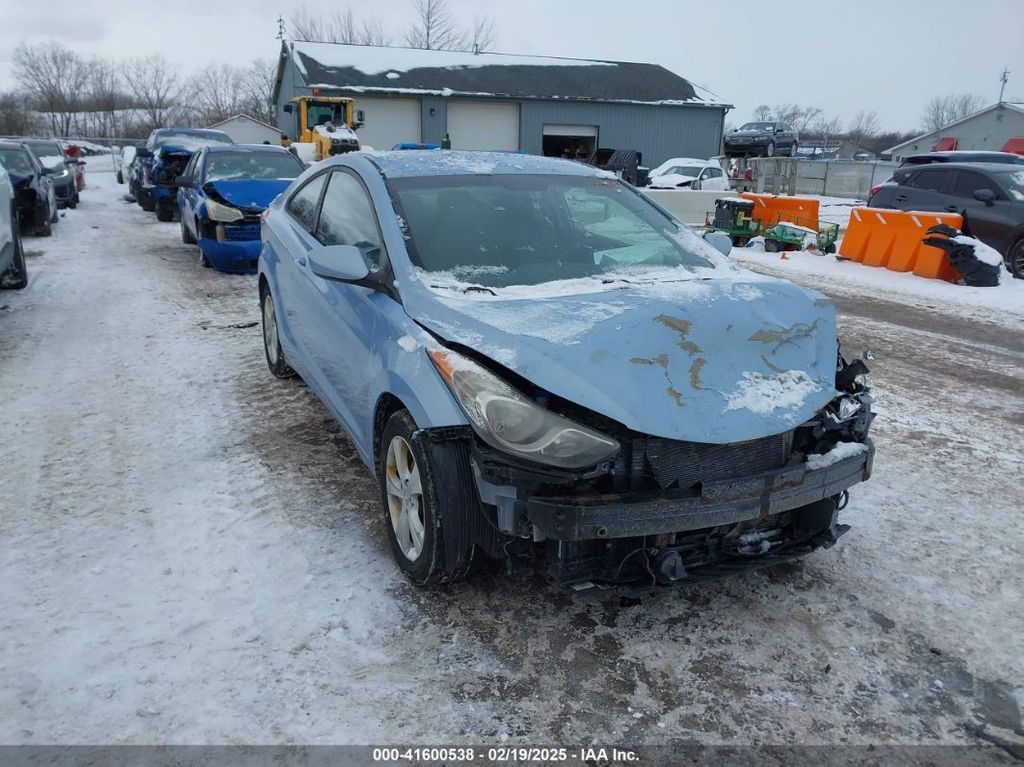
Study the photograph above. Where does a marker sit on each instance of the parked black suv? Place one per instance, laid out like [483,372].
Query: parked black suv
[990,197]
[761,139]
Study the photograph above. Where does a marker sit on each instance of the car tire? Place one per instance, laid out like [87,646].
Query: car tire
[792,150]
[271,336]
[73,200]
[120,177]
[772,246]
[769,151]
[147,202]
[44,229]
[413,514]
[16,276]
[186,235]
[54,214]
[164,212]
[1015,259]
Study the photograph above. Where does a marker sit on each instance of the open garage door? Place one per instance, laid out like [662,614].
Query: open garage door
[388,121]
[483,125]
[577,142]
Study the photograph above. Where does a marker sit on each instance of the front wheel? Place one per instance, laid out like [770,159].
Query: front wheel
[16,276]
[1016,259]
[164,212]
[272,339]
[415,517]
[769,151]
[186,235]
[120,177]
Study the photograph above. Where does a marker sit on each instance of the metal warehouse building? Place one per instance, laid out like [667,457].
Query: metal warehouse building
[534,104]
[995,128]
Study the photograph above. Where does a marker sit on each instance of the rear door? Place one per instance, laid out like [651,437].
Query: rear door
[990,223]
[925,190]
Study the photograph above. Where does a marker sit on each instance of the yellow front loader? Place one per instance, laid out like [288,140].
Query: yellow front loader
[324,126]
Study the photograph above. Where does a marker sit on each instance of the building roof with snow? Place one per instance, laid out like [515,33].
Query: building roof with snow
[999,127]
[388,70]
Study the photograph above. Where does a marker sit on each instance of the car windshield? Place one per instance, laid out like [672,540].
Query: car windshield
[45,149]
[757,126]
[191,140]
[504,230]
[682,170]
[251,165]
[16,161]
[1014,181]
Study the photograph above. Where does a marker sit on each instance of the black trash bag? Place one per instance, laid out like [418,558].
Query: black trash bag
[973,270]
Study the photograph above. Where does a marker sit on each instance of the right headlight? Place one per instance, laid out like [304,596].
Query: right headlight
[223,213]
[509,421]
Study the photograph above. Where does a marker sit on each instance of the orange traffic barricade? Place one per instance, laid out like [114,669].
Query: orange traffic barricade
[893,239]
[771,209]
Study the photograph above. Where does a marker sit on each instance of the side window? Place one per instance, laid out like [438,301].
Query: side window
[347,218]
[932,180]
[967,182]
[304,203]
[714,173]
[192,165]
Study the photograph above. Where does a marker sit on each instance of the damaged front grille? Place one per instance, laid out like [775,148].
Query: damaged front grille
[671,463]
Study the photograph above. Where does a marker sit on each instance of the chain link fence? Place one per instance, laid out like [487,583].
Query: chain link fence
[831,178]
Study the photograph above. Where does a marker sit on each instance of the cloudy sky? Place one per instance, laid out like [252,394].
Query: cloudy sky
[840,55]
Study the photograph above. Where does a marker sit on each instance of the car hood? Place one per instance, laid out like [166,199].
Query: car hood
[246,192]
[671,180]
[748,133]
[719,361]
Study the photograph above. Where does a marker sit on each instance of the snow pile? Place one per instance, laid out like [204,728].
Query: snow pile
[763,394]
[841,451]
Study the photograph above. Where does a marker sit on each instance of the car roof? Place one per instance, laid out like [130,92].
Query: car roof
[190,131]
[673,160]
[14,145]
[990,167]
[447,162]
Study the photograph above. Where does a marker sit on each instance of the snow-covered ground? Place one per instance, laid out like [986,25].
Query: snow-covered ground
[192,553]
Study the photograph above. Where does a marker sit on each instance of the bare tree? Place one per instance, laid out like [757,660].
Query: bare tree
[258,90]
[483,34]
[763,112]
[218,92]
[943,110]
[341,26]
[863,126]
[54,77]
[154,85]
[826,130]
[435,28]
[16,116]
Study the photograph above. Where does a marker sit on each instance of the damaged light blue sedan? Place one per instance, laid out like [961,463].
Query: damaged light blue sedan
[535,359]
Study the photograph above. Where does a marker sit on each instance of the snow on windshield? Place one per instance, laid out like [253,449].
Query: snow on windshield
[224,166]
[518,229]
[191,141]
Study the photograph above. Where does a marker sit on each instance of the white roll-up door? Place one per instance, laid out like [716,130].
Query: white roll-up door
[388,121]
[484,125]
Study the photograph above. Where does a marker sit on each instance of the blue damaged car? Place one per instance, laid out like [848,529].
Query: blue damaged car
[533,358]
[162,160]
[222,193]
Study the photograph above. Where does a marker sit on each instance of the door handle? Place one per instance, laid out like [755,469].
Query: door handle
[901,198]
[951,209]
[301,260]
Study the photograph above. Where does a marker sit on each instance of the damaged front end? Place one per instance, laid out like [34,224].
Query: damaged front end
[662,511]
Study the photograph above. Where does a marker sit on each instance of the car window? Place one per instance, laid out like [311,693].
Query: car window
[193,164]
[933,180]
[304,204]
[502,230]
[968,181]
[16,161]
[347,218]
[714,173]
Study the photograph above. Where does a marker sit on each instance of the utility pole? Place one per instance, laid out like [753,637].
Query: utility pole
[280,28]
[1003,78]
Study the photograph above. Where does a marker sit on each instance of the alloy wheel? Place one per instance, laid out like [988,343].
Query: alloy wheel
[270,339]
[404,489]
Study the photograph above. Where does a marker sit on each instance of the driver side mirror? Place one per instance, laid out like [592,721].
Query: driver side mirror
[360,119]
[340,263]
[143,152]
[984,195]
[45,171]
[720,241]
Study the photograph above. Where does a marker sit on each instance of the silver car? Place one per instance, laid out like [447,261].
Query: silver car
[12,258]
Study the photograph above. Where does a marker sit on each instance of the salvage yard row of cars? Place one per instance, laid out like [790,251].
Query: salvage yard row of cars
[38,177]
[533,358]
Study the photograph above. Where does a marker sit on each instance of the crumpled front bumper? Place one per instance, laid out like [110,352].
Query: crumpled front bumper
[719,503]
[240,256]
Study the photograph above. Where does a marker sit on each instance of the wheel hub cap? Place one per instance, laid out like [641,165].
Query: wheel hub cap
[404,490]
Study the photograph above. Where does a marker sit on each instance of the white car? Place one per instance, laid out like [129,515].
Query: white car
[689,173]
[12,258]
[124,169]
